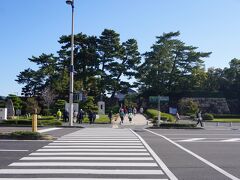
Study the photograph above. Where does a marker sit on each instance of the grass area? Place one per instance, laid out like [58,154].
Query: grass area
[227,120]
[25,135]
[103,119]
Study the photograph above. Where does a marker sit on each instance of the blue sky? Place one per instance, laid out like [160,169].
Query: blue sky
[32,27]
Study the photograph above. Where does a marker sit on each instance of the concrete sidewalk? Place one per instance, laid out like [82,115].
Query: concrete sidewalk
[138,119]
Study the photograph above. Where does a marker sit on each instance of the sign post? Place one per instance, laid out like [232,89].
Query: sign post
[34,121]
[159,112]
[158,99]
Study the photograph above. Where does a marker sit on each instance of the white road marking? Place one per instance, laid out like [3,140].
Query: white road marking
[87,164]
[87,150]
[49,129]
[191,140]
[89,158]
[155,156]
[107,144]
[201,134]
[93,154]
[231,140]
[73,179]
[78,171]
[66,147]
[100,136]
[13,150]
[198,157]
[208,141]
[96,141]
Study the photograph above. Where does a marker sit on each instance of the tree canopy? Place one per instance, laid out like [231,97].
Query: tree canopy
[105,65]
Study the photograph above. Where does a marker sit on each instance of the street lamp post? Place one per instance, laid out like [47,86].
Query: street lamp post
[71,2]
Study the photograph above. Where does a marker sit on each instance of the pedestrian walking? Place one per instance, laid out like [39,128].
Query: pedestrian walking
[122,114]
[75,116]
[80,116]
[90,117]
[65,116]
[94,117]
[134,111]
[130,117]
[130,110]
[110,116]
[177,117]
[199,118]
[141,110]
[59,114]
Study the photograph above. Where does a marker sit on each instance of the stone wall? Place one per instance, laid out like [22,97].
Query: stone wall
[212,105]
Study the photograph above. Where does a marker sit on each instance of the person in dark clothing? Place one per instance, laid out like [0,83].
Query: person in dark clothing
[121,114]
[80,116]
[90,117]
[65,116]
[110,116]
[94,117]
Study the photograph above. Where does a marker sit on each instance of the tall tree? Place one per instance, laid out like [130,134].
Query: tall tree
[109,50]
[170,65]
[36,80]
[126,66]
[86,60]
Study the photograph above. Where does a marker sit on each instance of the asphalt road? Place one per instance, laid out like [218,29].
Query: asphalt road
[220,147]
[188,154]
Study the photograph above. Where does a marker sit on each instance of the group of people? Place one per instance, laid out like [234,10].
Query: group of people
[130,111]
[77,116]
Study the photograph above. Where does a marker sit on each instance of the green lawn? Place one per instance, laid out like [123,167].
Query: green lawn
[226,120]
[103,119]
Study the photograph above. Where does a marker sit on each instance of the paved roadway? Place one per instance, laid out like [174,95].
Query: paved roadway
[119,153]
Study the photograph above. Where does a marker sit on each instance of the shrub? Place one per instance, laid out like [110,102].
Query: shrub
[18,122]
[25,135]
[29,122]
[223,116]
[114,109]
[207,116]
[59,104]
[187,106]
[47,118]
[152,113]
[49,123]
[176,126]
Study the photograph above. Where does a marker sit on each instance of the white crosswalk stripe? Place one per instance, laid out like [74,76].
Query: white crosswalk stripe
[90,154]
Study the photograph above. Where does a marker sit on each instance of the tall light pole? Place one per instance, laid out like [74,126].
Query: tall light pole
[71,2]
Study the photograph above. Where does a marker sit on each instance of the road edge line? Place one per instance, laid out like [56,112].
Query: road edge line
[197,156]
[155,156]
[48,129]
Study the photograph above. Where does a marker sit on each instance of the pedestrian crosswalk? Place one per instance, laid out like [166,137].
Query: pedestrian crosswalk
[91,154]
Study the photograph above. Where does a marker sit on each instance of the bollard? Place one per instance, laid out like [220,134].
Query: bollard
[217,123]
[230,124]
[34,121]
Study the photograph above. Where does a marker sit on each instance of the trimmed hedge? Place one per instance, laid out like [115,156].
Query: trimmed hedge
[176,126]
[25,135]
[207,116]
[29,122]
[152,113]
[224,116]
